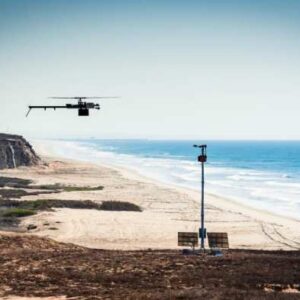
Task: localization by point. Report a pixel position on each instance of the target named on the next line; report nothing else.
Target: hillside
(16, 151)
(39, 267)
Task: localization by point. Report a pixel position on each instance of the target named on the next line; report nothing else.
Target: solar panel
(188, 239)
(218, 240)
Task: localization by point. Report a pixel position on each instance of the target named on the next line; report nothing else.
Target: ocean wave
(272, 191)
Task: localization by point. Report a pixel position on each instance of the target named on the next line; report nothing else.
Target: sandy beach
(166, 211)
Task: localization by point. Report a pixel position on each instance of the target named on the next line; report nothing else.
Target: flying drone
(82, 106)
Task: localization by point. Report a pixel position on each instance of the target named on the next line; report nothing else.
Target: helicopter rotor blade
(101, 97)
(64, 97)
(95, 97)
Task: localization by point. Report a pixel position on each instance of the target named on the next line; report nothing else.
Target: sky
(183, 69)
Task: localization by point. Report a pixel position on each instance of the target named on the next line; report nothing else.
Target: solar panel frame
(189, 239)
(218, 240)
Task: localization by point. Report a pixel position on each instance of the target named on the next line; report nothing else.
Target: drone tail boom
(45, 108)
(29, 109)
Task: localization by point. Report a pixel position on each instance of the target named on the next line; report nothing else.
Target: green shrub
(66, 188)
(55, 186)
(119, 206)
(18, 212)
(81, 188)
(12, 193)
(14, 182)
(19, 193)
(48, 204)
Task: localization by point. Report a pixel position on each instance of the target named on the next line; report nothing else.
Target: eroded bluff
(15, 151)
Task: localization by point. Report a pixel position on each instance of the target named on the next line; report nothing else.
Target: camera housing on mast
(202, 157)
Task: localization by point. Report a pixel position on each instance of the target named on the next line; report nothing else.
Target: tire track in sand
(276, 237)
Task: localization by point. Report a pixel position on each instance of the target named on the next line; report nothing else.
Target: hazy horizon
(217, 70)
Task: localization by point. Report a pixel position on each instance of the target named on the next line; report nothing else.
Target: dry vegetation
(48, 204)
(14, 182)
(34, 266)
(17, 185)
(15, 188)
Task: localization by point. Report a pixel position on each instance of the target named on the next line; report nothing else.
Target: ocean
(264, 175)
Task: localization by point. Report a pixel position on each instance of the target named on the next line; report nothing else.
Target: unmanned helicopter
(82, 106)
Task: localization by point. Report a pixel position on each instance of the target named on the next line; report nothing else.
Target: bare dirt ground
(39, 267)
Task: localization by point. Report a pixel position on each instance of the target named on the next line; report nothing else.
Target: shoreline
(225, 201)
(131, 172)
(167, 209)
(55, 149)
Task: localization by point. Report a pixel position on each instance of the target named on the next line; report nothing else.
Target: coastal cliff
(15, 151)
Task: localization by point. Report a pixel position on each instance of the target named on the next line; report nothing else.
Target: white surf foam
(265, 190)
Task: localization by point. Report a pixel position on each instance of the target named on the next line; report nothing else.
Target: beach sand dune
(166, 211)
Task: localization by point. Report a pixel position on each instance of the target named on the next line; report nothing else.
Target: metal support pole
(202, 204)
(202, 158)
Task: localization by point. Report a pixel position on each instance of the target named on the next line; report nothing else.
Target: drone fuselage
(83, 107)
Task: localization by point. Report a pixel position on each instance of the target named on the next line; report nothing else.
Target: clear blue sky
(184, 69)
